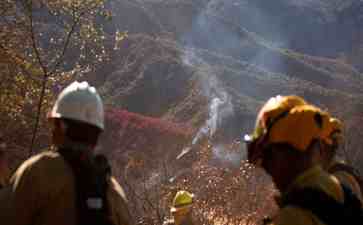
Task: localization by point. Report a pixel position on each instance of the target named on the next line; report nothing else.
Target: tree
(43, 46)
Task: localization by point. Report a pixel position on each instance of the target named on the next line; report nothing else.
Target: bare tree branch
(29, 10)
(76, 20)
(47, 74)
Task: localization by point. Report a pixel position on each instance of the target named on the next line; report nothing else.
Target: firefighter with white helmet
(80, 102)
(66, 186)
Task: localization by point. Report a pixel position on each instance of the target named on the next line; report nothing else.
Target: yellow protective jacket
(42, 192)
(314, 178)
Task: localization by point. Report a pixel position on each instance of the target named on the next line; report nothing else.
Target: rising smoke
(220, 105)
(220, 28)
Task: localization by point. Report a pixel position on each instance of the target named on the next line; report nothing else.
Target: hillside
(133, 137)
(210, 65)
(185, 82)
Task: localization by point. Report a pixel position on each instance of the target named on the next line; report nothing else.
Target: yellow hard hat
(274, 107)
(182, 198)
(290, 120)
(301, 125)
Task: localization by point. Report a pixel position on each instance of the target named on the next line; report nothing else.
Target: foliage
(225, 194)
(43, 46)
(141, 149)
(143, 152)
(137, 124)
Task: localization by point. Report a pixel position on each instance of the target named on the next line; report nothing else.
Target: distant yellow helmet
(336, 129)
(290, 120)
(182, 198)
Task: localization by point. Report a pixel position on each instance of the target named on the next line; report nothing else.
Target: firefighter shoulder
(181, 209)
(43, 191)
(348, 176)
(316, 179)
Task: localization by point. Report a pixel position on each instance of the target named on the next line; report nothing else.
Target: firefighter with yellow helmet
(181, 209)
(65, 185)
(287, 134)
(345, 173)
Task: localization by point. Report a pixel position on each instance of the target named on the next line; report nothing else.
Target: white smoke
(219, 108)
(221, 153)
(220, 105)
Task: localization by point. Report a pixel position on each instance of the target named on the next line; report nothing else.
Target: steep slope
(158, 77)
(150, 78)
(210, 65)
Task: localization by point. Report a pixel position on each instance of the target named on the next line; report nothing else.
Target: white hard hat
(81, 102)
